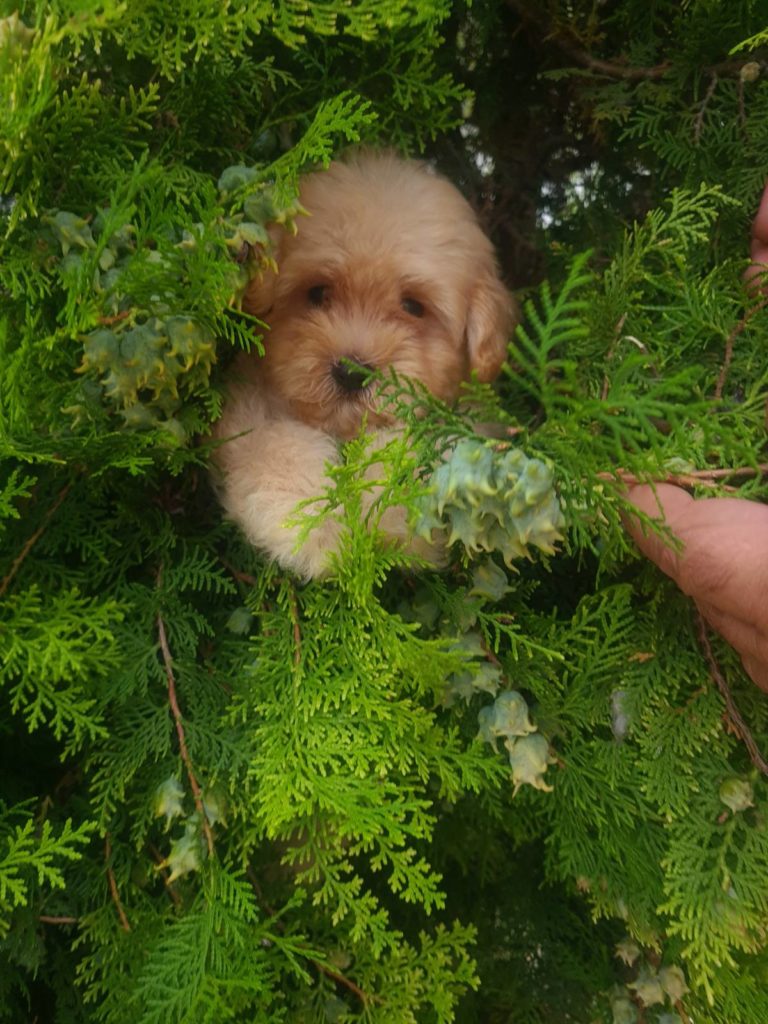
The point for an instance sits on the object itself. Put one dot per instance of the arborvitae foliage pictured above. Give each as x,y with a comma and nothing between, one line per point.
502,792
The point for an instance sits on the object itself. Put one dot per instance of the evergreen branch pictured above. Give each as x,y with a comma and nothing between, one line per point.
615,69
52,652
603,67
753,42
318,711
31,541
177,717
113,886
279,926
737,330
15,489
740,727
32,850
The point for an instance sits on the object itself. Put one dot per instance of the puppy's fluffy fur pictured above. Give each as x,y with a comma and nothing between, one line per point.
390,269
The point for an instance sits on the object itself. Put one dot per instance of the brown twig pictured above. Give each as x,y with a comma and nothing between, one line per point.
725,472
696,477
159,860
241,577
740,727
177,717
742,109
740,326
609,356
6,582
691,480
342,980
47,919
113,885
679,479
536,16
681,1013
698,123
490,655
294,608
334,975
107,321
612,68
699,692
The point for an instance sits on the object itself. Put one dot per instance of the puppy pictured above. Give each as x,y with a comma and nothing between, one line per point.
389,270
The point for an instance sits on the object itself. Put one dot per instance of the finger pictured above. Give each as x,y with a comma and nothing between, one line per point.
758,249
664,503
760,223
757,671
724,556
749,640
755,277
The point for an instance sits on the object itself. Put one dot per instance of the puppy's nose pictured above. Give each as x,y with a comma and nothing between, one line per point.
351,374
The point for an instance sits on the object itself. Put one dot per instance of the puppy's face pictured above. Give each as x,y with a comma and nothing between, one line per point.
389,270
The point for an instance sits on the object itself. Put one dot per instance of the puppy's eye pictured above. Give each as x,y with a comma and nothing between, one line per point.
318,294
412,307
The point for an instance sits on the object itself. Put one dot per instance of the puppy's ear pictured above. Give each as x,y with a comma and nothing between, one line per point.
491,316
259,295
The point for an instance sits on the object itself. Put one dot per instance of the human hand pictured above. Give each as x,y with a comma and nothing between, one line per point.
758,248
723,564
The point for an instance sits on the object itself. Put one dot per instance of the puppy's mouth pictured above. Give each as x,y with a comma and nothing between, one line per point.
352,377
337,397
355,386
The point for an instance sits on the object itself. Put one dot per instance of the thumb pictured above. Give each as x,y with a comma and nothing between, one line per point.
723,560
668,504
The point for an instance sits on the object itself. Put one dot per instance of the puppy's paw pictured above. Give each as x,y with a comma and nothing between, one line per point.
394,523
434,553
312,559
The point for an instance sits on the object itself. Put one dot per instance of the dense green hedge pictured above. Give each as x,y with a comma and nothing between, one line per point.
484,794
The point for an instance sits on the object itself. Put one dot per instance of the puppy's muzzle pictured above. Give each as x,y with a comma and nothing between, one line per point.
351,375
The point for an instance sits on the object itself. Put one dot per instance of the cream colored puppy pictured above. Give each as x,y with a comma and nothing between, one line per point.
389,270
